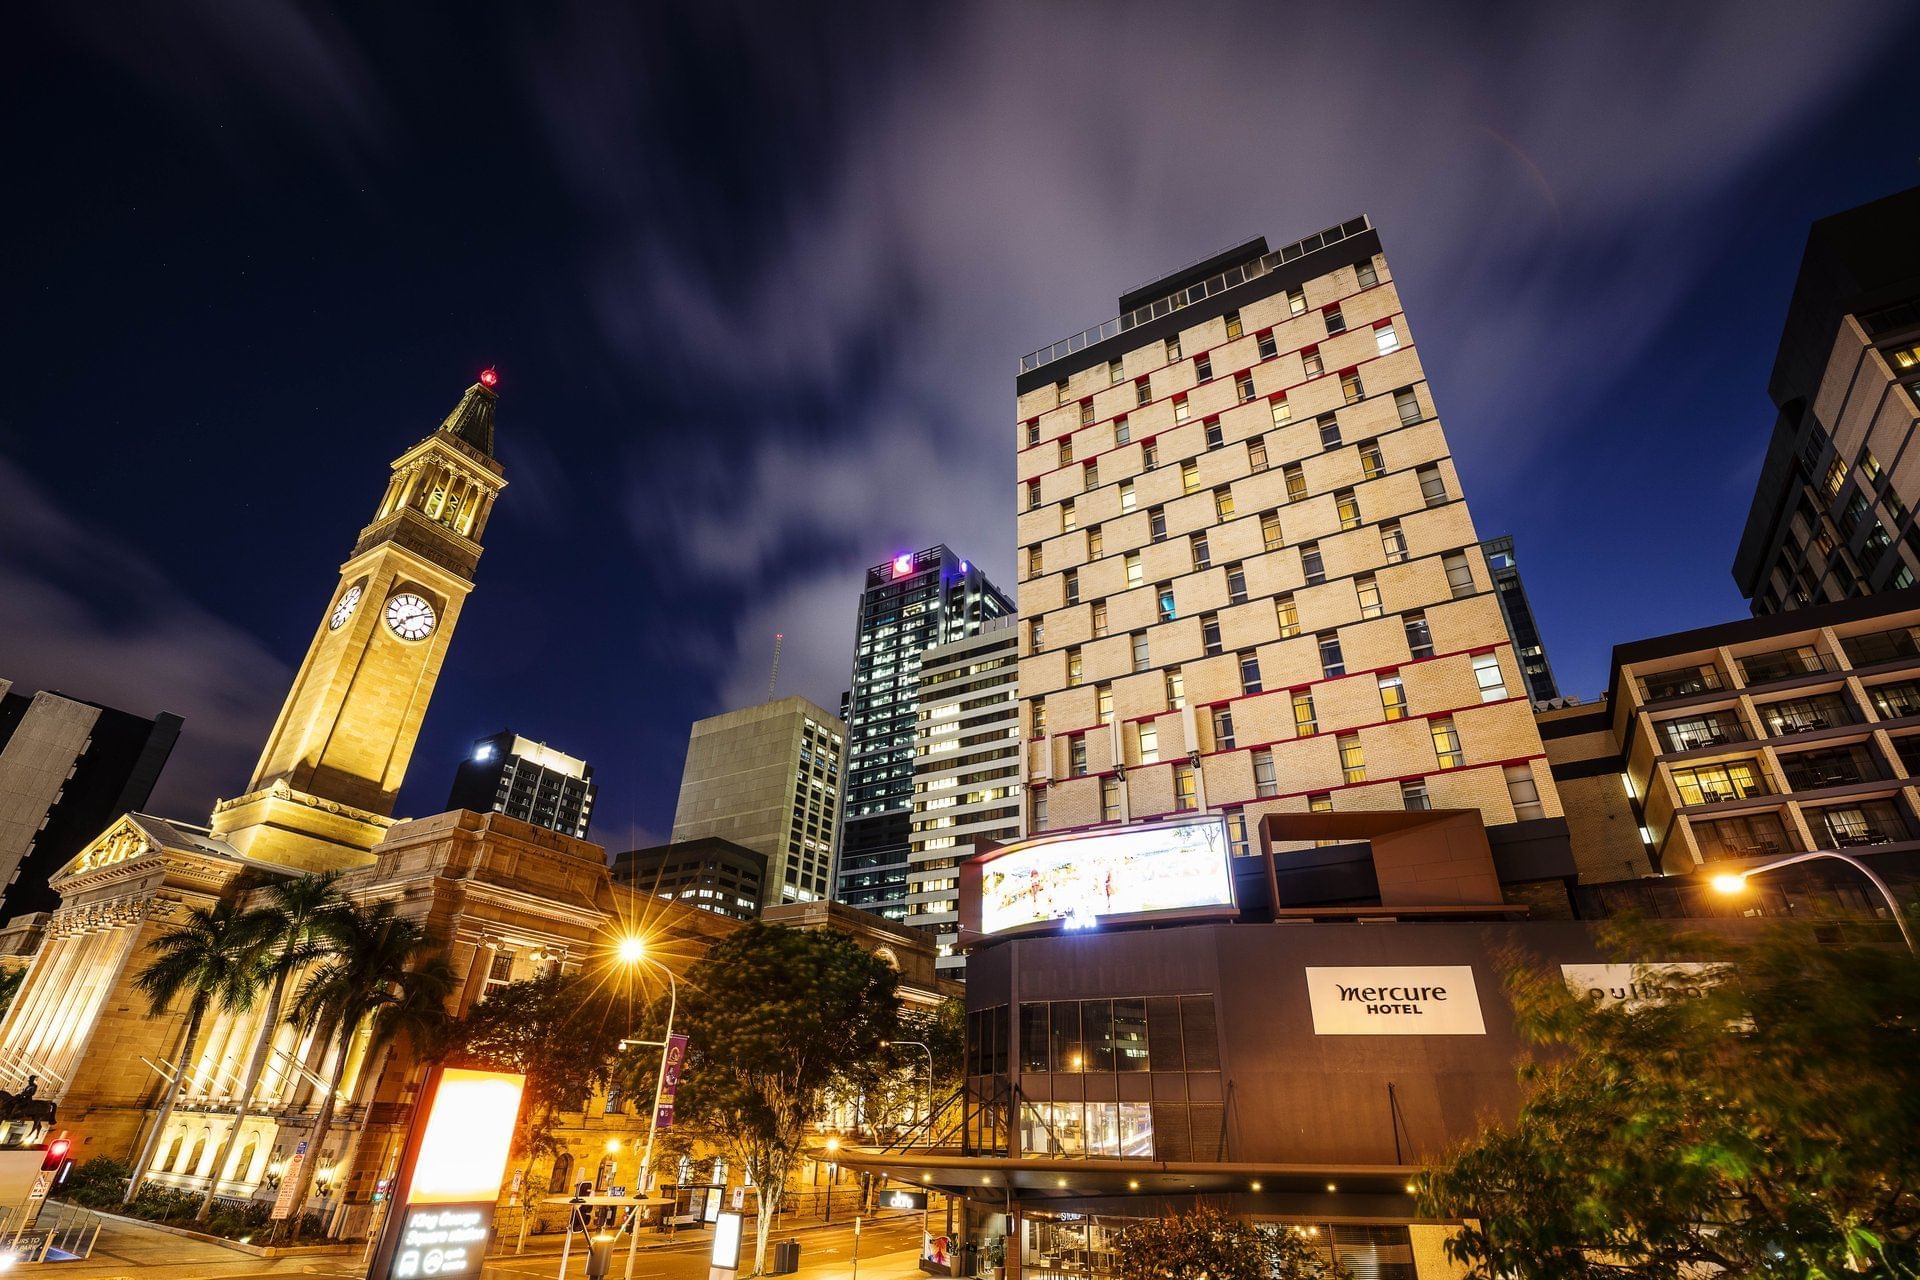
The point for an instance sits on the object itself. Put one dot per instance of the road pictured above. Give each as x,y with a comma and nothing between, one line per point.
889,1250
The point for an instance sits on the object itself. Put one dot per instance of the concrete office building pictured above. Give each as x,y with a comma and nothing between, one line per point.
528,780
1521,627
768,777
909,604
67,769
966,777
1249,582
709,873
1832,516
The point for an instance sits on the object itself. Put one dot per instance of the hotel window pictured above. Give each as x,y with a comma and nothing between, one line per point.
1103,703
1197,545
1077,755
1282,411
1068,521
1066,450
1713,783
1304,723
1185,799
1236,583
1037,811
1150,454
1257,455
1073,667
1393,542
1408,404
1270,530
1869,463
1210,634
1243,386
1296,302
1296,480
1459,573
1099,618
1368,589
1090,475
1486,674
1175,686
1132,562
1215,437
1163,593
1288,616
1073,586
1312,568
1393,697
1446,744
1059,393
1146,743
1035,630
1109,800
1114,374
1336,323
1223,503
1086,412
1433,487
1189,476
1364,273
1265,781
1332,661
1524,792
1353,762
1385,338
1126,495
1202,368
1310,362
1322,803
1033,432
1096,543
1173,348
1139,651
1348,506
1413,795
1836,476
1419,637
1329,431
1142,391
1034,561
1233,325
1249,671
1033,494
1157,523
1039,719
1223,728
1268,347
1180,409
1371,464
1122,430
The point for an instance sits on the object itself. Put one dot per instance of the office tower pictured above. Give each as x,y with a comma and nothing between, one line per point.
966,773
1521,628
528,780
712,874
67,769
768,777
1249,582
1832,515
910,603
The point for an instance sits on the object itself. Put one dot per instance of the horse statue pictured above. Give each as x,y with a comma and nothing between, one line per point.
23,1108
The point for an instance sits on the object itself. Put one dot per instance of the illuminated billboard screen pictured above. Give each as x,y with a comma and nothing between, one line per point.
1080,880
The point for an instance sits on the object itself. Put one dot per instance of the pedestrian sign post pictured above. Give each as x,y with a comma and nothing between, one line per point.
289,1181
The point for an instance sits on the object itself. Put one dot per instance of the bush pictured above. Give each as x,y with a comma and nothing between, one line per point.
97,1183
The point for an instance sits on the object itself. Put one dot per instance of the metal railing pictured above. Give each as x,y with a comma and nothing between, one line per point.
1784,664
1193,293
60,1232
1680,684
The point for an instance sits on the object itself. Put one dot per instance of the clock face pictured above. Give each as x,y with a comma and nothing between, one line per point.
410,617
344,610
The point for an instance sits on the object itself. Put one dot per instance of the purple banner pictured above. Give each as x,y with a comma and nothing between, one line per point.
670,1065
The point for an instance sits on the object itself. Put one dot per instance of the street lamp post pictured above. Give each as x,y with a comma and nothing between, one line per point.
633,951
1735,881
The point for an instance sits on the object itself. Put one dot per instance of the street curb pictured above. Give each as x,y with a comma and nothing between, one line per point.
687,1239
256,1250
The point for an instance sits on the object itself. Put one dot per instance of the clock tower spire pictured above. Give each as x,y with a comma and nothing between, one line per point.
323,792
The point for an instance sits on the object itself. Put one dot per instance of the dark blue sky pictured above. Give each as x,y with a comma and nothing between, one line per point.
756,278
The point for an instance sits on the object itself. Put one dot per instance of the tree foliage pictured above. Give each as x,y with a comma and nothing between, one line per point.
1764,1121
1206,1244
774,1017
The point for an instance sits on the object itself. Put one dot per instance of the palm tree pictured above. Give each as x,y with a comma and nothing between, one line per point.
211,959
290,938
381,975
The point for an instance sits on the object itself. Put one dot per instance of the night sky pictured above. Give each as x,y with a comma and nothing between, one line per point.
756,278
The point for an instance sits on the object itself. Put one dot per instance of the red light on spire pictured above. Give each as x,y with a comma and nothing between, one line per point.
489,378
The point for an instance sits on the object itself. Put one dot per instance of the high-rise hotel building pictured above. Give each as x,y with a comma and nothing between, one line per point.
1248,579
911,603
966,775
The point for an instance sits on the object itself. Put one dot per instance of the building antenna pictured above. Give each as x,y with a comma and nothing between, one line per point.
778,639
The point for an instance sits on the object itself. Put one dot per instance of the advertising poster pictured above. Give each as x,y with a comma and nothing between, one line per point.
1177,866
453,1177
670,1068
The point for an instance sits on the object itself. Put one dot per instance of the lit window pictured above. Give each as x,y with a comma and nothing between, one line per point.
1486,674
1039,719
1114,375
1073,667
1099,618
1146,741
1257,455
1368,588
1173,349
1134,578
1096,542
1180,409
1077,755
1288,616
1385,338
1034,561
1350,386
1353,762
1068,520
1304,722
1223,503
1282,412
1250,672
1393,542
1189,476
1103,701
1524,792
1270,530
1296,302
1265,781
1222,728
1408,404
1371,464
1066,450
1332,662
1233,325
1393,697
1059,393
1348,506
1109,800
1243,386
1446,744
1459,573
1139,651
1296,480
1310,362
1086,413
1184,783
1126,495
1419,638
1311,566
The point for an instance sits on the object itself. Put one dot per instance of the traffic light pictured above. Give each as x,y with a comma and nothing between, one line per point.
56,1153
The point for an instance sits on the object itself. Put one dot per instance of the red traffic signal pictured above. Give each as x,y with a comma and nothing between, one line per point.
56,1154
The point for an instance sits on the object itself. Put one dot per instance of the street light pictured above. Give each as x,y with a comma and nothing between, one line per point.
927,1120
631,951
1735,881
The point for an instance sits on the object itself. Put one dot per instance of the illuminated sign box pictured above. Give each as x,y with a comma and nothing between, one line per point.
726,1242
1165,869
458,1165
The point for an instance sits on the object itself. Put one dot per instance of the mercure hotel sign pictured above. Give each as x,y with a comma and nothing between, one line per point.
1395,1000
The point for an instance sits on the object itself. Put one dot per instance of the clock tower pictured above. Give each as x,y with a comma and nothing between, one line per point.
323,792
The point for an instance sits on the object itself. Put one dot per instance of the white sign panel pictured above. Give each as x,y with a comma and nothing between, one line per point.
1611,984
1172,866
1424,1000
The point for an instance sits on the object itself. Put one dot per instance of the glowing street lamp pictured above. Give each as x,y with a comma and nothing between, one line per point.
1736,881
631,951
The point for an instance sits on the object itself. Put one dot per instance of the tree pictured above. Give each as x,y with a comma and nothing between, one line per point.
210,960
1759,1119
381,975
10,980
1206,1244
774,1016
290,936
562,1032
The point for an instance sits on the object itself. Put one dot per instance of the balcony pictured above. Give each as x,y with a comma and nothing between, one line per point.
1719,783
1832,767
1785,664
1753,835
1683,683
1896,701
1877,647
1693,733
1862,825
1806,715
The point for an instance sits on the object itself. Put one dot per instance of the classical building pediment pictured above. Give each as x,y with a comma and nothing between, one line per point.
140,843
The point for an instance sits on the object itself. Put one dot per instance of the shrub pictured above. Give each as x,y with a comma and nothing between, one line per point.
97,1183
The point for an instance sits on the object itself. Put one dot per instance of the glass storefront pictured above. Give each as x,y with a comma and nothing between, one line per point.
1073,1246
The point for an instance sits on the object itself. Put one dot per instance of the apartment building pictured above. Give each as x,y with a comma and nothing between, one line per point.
966,774
1249,581
1522,629
528,780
